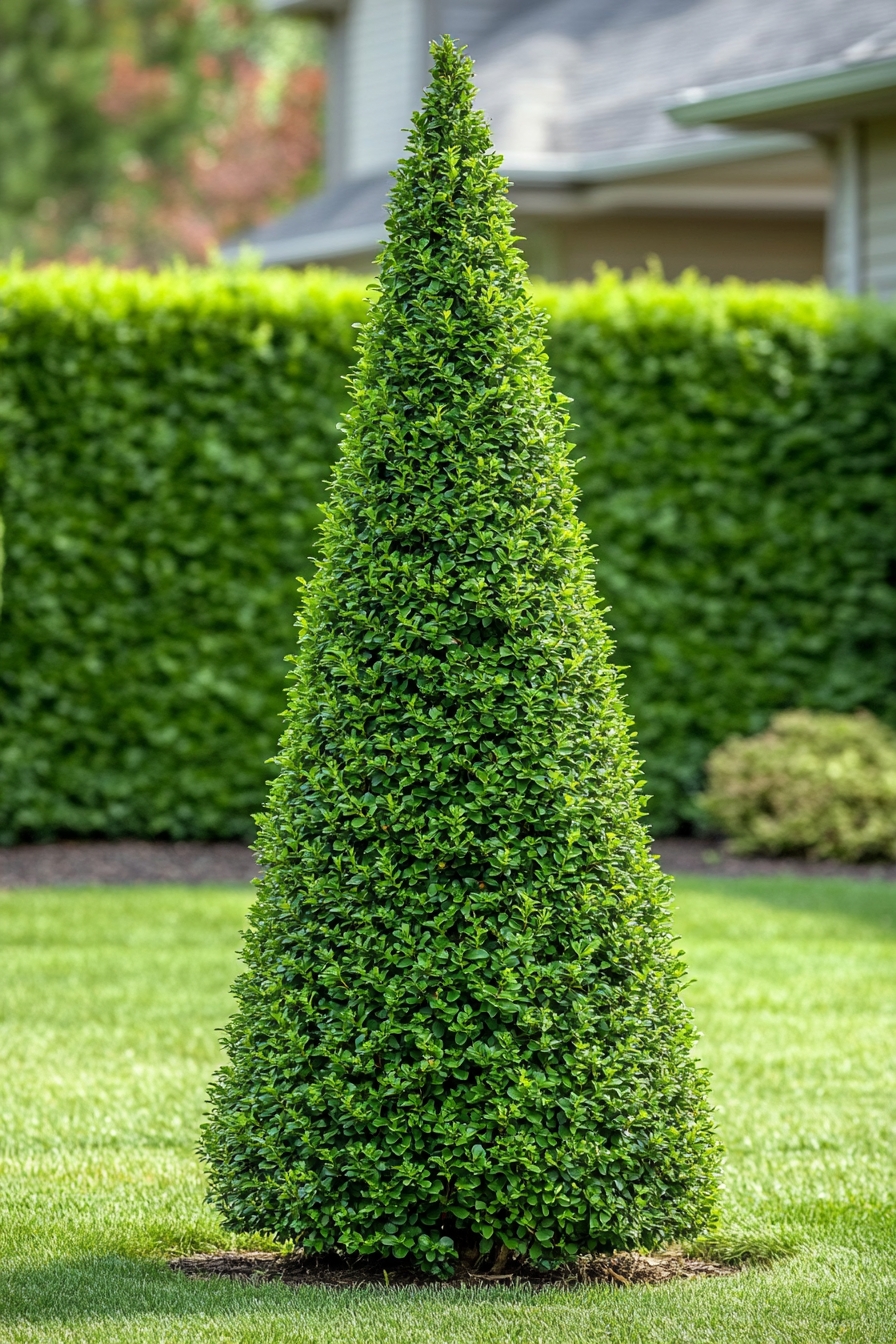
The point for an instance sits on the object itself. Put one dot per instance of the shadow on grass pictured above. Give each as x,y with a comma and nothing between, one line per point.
761,1250
872,903
109,1286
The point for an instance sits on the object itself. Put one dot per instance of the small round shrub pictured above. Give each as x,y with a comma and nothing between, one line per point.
813,783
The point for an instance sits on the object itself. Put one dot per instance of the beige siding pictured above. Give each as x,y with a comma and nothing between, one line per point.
752,249
760,249
879,207
384,50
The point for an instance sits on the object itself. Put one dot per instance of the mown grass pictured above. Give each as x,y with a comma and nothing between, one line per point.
109,1004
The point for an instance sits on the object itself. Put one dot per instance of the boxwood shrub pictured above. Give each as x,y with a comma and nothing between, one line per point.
816,784
459,1030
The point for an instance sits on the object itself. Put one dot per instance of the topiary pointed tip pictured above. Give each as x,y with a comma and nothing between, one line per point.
449,62
446,50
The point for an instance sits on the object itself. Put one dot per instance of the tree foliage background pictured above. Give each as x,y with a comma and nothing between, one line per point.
136,129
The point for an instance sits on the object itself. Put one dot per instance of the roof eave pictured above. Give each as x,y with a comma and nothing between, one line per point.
328,245
314,9
791,99
646,161
549,171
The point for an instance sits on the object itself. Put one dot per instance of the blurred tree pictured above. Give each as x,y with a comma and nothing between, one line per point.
131,129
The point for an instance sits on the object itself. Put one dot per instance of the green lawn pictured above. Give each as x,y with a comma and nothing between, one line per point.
109,1001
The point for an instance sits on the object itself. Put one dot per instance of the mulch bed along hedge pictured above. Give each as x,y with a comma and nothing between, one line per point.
682,855
624,1269
76,863
87,863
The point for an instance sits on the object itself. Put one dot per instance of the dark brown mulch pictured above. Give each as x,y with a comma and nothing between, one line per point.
624,1269
75,863
680,854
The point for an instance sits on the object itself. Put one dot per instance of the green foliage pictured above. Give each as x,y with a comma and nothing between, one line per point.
460,1026
52,70
166,440
94,90
737,460
738,472
816,784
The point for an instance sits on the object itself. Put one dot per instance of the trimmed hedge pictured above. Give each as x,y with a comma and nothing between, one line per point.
164,443
738,474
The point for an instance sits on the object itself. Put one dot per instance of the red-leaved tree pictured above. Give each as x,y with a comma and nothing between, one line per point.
245,165
140,129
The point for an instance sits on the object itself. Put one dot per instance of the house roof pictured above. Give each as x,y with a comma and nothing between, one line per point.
598,75
348,218
579,90
817,97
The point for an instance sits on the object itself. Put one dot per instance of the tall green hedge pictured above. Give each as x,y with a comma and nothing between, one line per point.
164,442
739,477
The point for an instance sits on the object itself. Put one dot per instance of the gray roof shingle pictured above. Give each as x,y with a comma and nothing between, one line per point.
352,206
594,75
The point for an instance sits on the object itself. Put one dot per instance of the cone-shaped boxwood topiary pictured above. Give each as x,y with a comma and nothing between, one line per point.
460,1027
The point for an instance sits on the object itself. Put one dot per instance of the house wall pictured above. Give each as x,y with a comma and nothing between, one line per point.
862,244
757,250
384,48
761,248
879,207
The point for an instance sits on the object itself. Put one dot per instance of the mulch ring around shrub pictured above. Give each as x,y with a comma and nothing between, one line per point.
624,1269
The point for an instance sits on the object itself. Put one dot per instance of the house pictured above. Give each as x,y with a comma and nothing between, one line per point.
629,128
848,105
